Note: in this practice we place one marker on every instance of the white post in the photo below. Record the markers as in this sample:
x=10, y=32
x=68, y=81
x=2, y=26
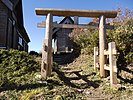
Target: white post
x=46, y=67
x=112, y=63
x=76, y=20
x=55, y=46
x=102, y=43
x=95, y=57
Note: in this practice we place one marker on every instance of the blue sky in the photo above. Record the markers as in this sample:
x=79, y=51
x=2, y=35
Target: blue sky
x=31, y=19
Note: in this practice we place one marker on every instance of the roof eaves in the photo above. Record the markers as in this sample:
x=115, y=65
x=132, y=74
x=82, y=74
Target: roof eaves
x=8, y=4
x=57, y=29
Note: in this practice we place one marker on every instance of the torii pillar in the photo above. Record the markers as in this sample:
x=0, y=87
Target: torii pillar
x=102, y=44
x=46, y=67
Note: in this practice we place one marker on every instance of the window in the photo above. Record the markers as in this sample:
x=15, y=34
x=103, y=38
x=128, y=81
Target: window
x=20, y=41
x=24, y=45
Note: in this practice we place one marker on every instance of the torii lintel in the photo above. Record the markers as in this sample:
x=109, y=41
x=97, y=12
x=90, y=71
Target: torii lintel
x=79, y=13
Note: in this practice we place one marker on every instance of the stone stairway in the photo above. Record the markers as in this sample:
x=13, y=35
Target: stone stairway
x=63, y=58
x=58, y=59
x=74, y=76
x=80, y=76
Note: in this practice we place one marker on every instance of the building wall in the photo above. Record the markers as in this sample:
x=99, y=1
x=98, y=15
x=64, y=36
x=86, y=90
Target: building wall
x=64, y=43
x=10, y=32
x=15, y=38
x=3, y=24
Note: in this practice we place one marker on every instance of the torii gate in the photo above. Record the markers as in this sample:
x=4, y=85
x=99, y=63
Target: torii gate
x=46, y=67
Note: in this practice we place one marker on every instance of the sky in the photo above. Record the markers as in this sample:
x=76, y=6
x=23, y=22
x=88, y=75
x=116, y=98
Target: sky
x=36, y=35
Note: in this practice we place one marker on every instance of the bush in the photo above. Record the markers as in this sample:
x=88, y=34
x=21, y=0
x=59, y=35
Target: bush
x=122, y=35
x=16, y=68
x=33, y=53
x=85, y=39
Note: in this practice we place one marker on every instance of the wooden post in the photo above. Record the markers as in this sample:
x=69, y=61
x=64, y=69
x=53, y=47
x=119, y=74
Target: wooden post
x=102, y=35
x=95, y=57
x=112, y=63
x=76, y=20
x=46, y=67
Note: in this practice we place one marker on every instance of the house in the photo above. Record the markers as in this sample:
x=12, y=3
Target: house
x=63, y=46
x=12, y=32
x=62, y=42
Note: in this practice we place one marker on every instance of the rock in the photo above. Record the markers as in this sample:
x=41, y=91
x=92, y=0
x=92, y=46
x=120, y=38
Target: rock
x=4, y=94
x=80, y=90
x=44, y=82
x=88, y=92
x=119, y=87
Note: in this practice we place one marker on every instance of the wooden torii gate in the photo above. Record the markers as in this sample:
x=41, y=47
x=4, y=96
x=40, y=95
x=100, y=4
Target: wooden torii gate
x=46, y=67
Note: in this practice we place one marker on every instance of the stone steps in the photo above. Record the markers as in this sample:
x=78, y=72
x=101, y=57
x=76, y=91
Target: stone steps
x=71, y=71
x=63, y=58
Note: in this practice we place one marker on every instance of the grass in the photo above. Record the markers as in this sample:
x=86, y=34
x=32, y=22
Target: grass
x=71, y=86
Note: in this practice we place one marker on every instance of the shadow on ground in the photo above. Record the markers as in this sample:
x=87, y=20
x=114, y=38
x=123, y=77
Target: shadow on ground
x=125, y=74
x=49, y=84
x=88, y=83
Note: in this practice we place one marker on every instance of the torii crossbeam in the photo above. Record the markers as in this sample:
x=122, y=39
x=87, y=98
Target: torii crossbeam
x=46, y=67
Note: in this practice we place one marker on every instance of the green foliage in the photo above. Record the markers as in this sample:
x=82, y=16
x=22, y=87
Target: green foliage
x=33, y=53
x=85, y=39
x=122, y=35
x=16, y=68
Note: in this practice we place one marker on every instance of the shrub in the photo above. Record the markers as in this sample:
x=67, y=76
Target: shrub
x=122, y=35
x=16, y=68
x=33, y=53
x=85, y=39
